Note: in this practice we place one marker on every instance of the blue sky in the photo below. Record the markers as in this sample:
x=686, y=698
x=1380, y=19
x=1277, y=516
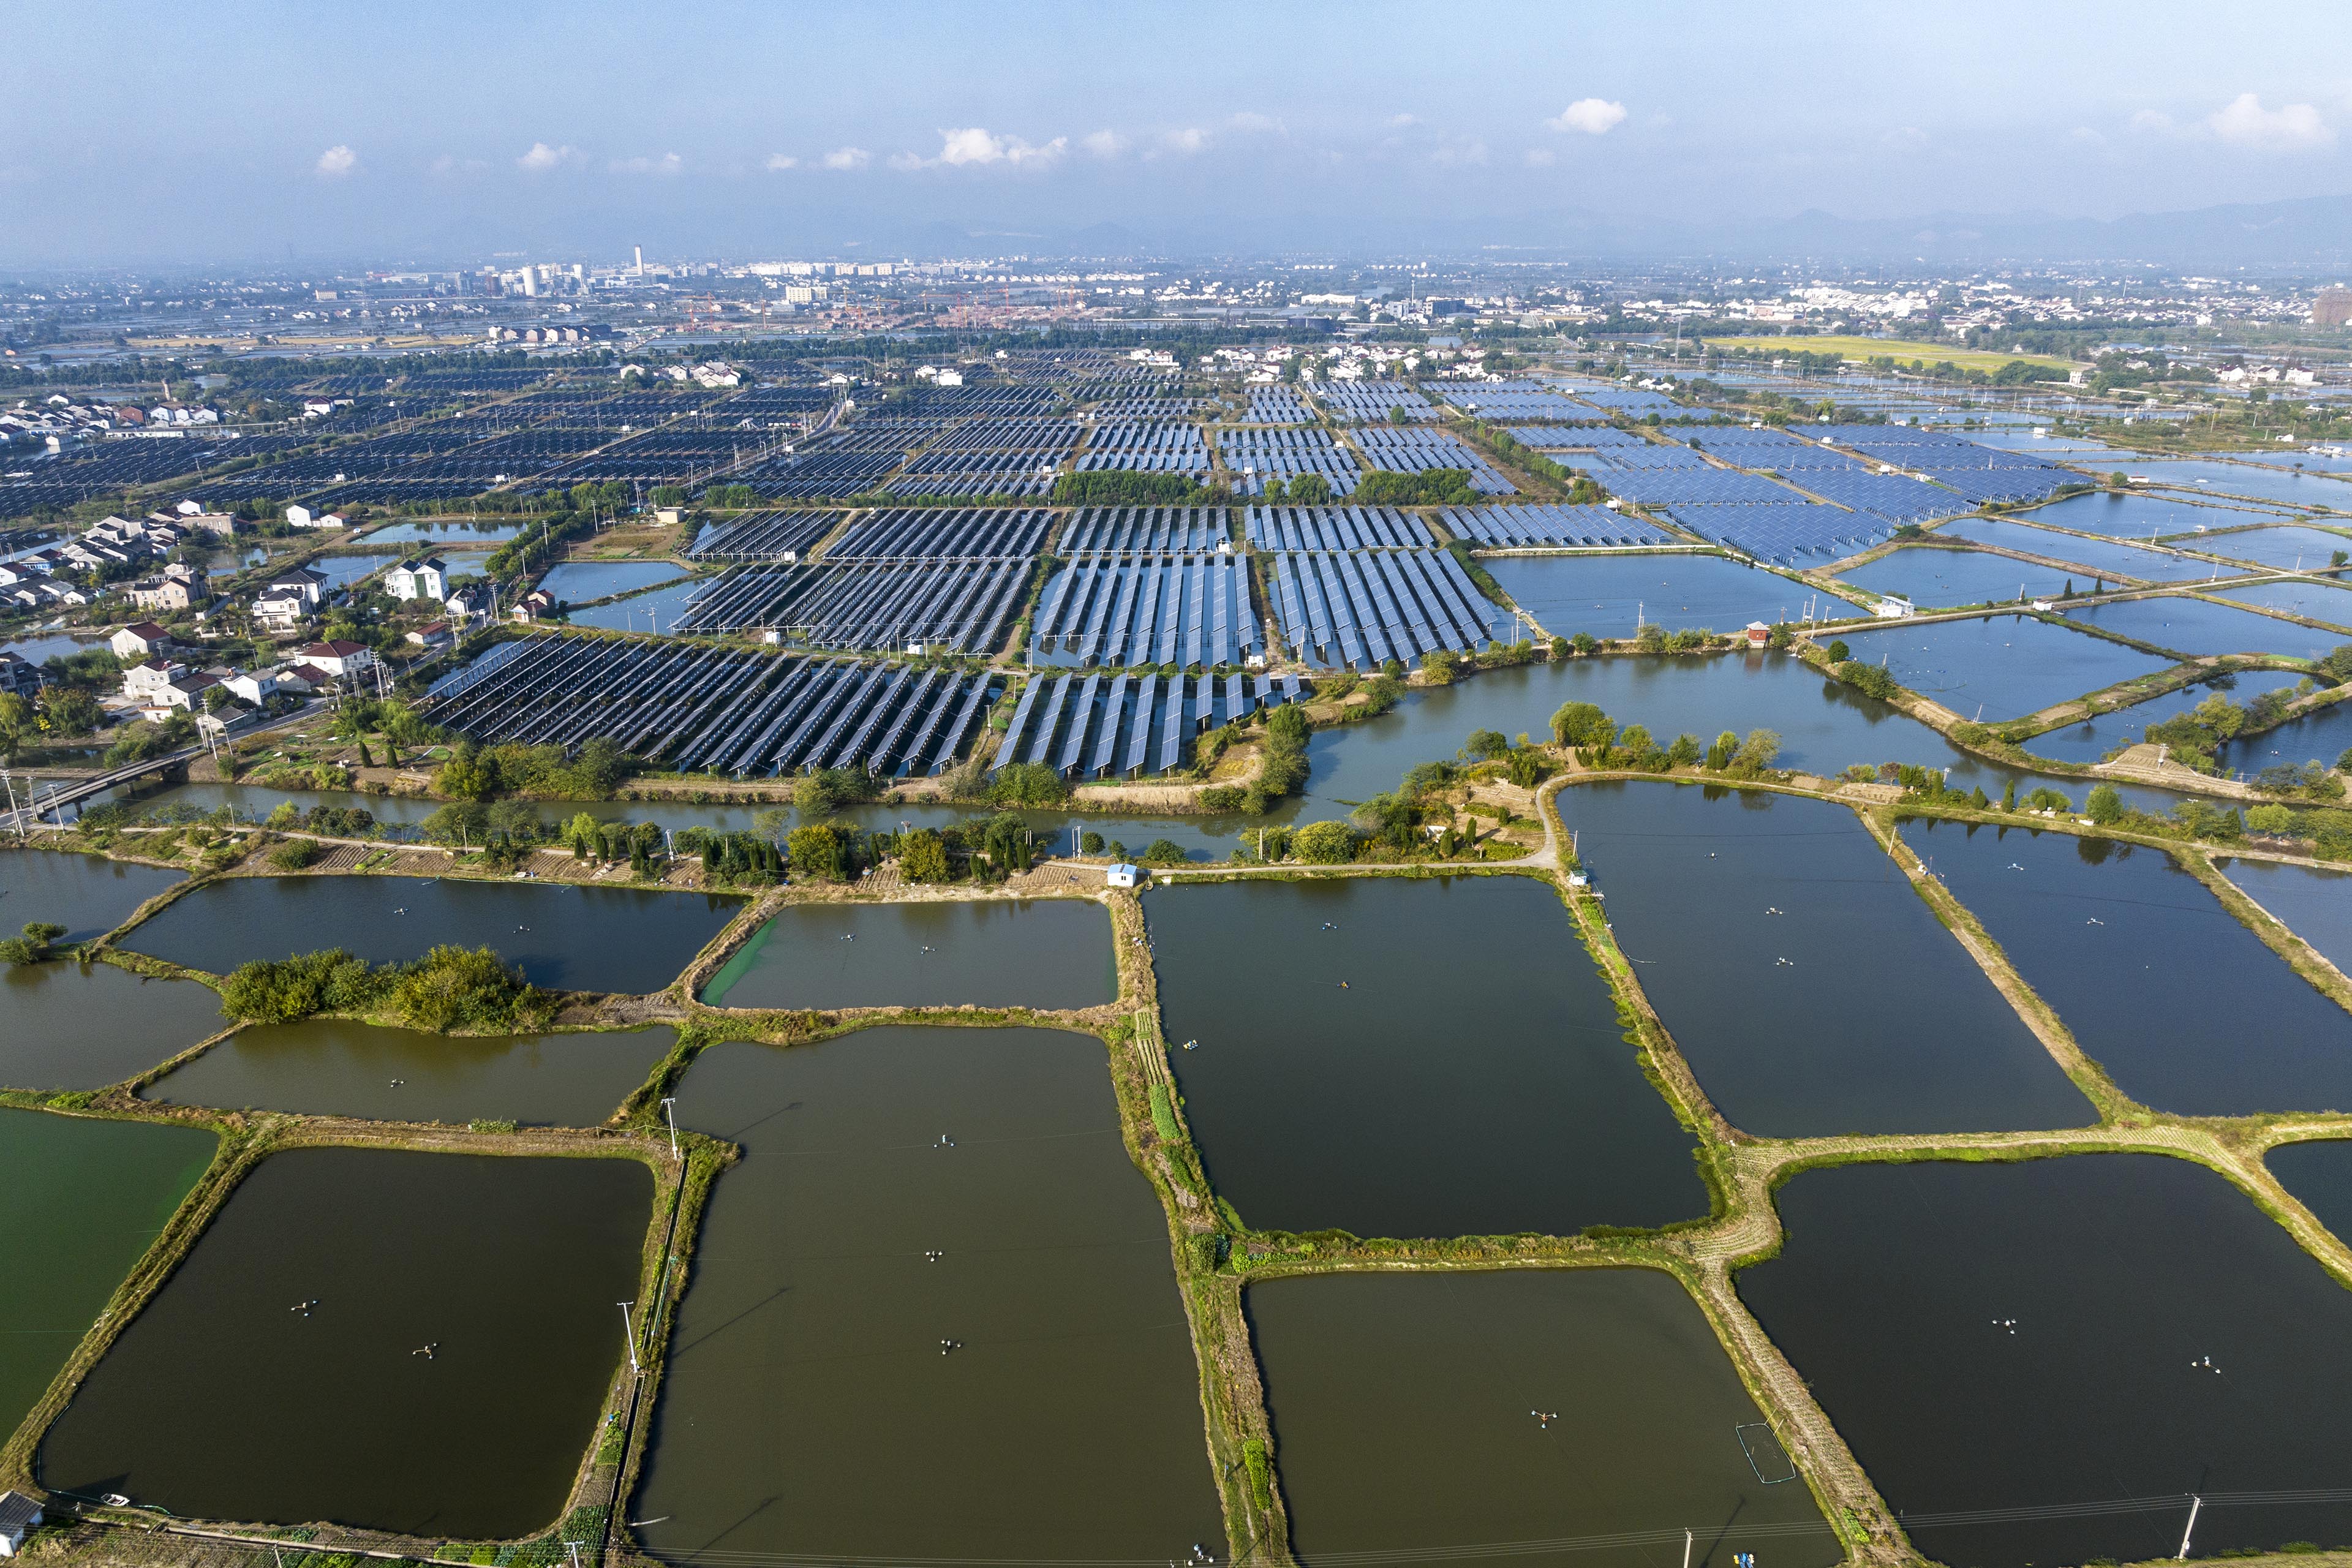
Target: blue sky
x=437, y=132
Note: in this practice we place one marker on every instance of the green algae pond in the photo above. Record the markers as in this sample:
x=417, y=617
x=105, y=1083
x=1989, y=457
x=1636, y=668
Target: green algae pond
x=1409, y=1057
x=1809, y=987
x=564, y=938
x=2078, y=1344
x=933, y=1315
x=281, y=1375
x=1552, y=1415
x=989, y=952
x=330, y=1067
x=2187, y=1009
x=86, y=1198
x=84, y=1026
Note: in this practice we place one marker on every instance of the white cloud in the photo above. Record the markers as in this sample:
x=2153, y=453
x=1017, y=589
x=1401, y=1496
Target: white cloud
x=337, y=161
x=1538, y=157
x=1104, y=144
x=1593, y=116
x=2290, y=127
x=2152, y=122
x=907, y=163
x=974, y=145
x=848, y=158
x=667, y=163
x=543, y=157
x=1192, y=139
x=1402, y=121
x=1251, y=121
x=782, y=160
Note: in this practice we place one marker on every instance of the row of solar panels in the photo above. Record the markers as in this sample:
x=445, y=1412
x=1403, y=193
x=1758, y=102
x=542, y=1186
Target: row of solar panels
x=1165, y=530
x=942, y=533
x=715, y=709
x=1786, y=531
x=953, y=607
x=1568, y=527
x=1182, y=610
x=1336, y=528
x=1363, y=610
x=1098, y=725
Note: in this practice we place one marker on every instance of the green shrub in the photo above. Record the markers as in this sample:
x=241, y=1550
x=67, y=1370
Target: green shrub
x=1163, y=1115
x=1324, y=843
x=295, y=854
x=1261, y=1473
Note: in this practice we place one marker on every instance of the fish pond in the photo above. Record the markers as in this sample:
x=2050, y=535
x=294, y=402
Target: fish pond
x=2204, y=476
x=989, y=952
x=1615, y=596
x=2319, y=1175
x=2313, y=599
x=1437, y=1418
x=2000, y=667
x=2320, y=736
x=577, y=582
x=328, y=1067
x=657, y=610
x=2100, y=558
x=2186, y=1008
x=932, y=1315
x=448, y=535
x=339, y=1269
x=1934, y=577
x=86, y=1199
x=1417, y=1057
x=2288, y=548
x=2137, y=514
x=71, y=1025
x=87, y=894
x=1742, y=911
x=2092, y=739
x=2016, y=1340
x=564, y=938
x=2315, y=905
x=2199, y=626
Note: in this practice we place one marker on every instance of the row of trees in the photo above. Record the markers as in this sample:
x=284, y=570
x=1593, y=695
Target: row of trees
x=448, y=989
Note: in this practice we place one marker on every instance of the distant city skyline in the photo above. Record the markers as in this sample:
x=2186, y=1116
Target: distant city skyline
x=433, y=132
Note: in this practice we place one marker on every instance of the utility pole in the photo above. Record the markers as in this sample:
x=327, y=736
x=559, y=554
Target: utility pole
x=2194, y=1504
x=669, y=1108
x=631, y=1335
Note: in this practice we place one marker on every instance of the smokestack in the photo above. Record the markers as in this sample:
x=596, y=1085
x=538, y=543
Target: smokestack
x=641, y=261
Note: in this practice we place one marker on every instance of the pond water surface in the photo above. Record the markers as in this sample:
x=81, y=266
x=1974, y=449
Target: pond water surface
x=449, y=535
x=1612, y=596
x=1418, y=1057
x=2017, y=1337
x=2096, y=555
x=2313, y=598
x=2093, y=738
x=1401, y=1413
x=2137, y=514
x=86, y=1198
x=87, y=894
x=2198, y=626
x=2310, y=490
x=2287, y=549
x=811, y=1407
x=69, y=1025
x=577, y=582
x=2319, y=1175
x=2185, y=1007
x=564, y=938
x=1931, y=577
x=2315, y=905
x=989, y=952
x=655, y=611
x=1745, y=913
x=2000, y=667
x=508, y=1267
x=328, y=1066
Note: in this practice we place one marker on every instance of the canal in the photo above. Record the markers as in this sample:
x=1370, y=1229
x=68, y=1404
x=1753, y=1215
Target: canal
x=2084, y=1340
x=990, y=953
x=1409, y=1057
x=932, y=1315
x=279, y=1376
x=1813, y=991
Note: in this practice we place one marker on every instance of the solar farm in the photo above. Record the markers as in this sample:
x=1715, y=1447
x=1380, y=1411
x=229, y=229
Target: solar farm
x=1192, y=611
x=1364, y=609
x=1099, y=725
x=1257, y=456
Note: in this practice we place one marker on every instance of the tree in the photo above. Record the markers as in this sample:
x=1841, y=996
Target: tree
x=1440, y=667
x=16, y=724
x=923, y=856
x=66, y=710
x=1584, y=642
x=1485, y=746
x=1839, y=653
x=2105, y=806
x=1684, y=752
x=1719, y=755
x=1582, y=724
x=1324, y=844
x=816, y=851
x=1756, y=752
x=34, y=946
x=584, y=832
x=469, y=775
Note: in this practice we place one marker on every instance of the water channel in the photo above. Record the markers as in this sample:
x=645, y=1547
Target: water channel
x=279, y=1376
x=564, y=938
x=1997, y=1337
x=1746, y=915
x=988, y=953
x=897, y=1347
x=1422, y=1413
x=86, y=1199
x=328, y=1066
x=1421, y=1058
x=2184, y=1006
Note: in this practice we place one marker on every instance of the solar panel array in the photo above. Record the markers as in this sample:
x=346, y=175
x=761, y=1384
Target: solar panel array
x=1565, y=527
x=1785, y=532
x=1155, y=530
x=954, y=607
x=1365, y=609
x=1542, y=403
x=1096, y=725
x=763, y=535
x=1374, y=400
x=1695, y=487
x=1336, y=528
x=1278, y=406
x=1147, y=447
x=1894, y=497
x=1262, y=455
x=942, y=533
x=1399, y=451
x=1639, y=402
x=1649, y=455
x=1575, y=438
x=716, y=710
x=1186, y=610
